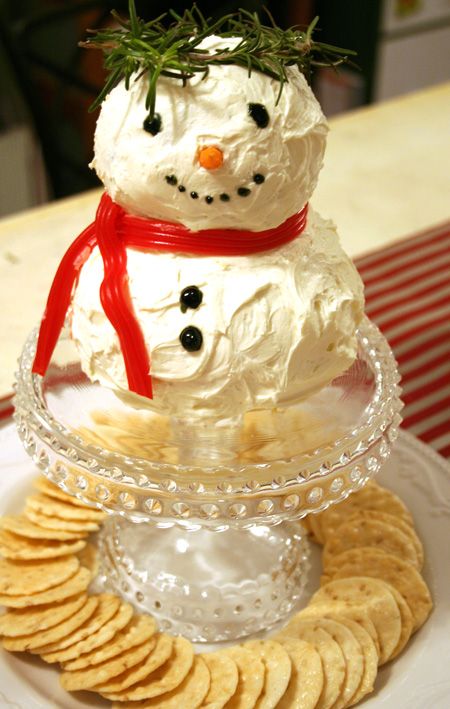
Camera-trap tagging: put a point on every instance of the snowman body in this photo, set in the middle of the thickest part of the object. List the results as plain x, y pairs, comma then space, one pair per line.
275, 326
271, 327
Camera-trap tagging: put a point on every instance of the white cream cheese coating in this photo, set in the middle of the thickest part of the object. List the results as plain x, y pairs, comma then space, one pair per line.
276, 326
133, 164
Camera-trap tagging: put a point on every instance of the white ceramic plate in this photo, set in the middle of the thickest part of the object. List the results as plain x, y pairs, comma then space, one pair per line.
418, 679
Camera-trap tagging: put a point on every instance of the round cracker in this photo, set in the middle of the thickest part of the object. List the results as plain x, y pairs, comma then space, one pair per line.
360, 532
407, 622
315, 528
307, 678
65, 525
18, 578
307, 525
21, 549
375, 598
97, 639
77, 583
370, 497
277, 666
394, 521
188, 695
370, 655
333, 661
28, 642
164, 679
304, 522
89, 677
338, 610
353, 656
351, 650
108, 605
46, 505
139, 629
251, 677
26, 621
44, 485
24, 527
156, 657
224, 678
89, 558
377, 564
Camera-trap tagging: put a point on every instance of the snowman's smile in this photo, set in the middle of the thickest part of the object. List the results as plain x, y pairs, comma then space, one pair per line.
240, 191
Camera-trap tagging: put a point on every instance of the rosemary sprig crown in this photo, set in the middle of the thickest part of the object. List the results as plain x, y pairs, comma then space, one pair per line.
137, 48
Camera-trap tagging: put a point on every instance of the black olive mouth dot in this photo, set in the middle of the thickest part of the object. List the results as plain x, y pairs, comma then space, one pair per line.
258, 179
191, 339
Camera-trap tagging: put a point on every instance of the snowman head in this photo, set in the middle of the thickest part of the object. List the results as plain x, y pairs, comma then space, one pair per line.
225, 150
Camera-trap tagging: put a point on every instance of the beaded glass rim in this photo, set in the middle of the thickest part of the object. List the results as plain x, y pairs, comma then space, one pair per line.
271, 492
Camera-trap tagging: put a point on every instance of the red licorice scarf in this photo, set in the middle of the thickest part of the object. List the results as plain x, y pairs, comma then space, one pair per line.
113, 231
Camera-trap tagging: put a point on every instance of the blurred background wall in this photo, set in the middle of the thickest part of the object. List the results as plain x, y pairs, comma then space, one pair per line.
47, 82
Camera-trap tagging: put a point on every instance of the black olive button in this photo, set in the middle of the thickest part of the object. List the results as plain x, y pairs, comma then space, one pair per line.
171, 179
191, 338
243, 191
258, 178
191, 297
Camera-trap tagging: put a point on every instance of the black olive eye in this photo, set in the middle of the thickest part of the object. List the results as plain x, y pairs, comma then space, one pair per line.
259, 114
153, 125
191, 297
191, 339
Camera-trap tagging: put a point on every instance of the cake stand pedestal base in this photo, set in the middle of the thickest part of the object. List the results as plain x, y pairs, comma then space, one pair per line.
209, 586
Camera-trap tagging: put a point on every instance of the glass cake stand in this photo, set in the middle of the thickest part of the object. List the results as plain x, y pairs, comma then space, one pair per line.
203, 527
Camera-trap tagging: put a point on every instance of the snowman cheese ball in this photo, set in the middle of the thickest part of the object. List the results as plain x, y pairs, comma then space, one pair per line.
206, 286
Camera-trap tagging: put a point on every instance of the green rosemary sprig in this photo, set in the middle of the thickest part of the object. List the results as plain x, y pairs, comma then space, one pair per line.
137, 48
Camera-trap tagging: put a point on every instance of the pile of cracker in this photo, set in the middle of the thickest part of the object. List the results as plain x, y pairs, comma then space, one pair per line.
372, 599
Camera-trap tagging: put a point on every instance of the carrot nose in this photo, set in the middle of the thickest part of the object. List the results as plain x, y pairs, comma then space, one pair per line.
210, 157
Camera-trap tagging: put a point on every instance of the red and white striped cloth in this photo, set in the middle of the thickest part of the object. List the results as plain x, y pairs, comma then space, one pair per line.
408, 297
6, 408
